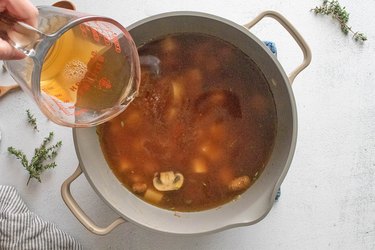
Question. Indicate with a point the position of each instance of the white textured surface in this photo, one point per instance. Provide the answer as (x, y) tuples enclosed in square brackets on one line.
[(328, 197)]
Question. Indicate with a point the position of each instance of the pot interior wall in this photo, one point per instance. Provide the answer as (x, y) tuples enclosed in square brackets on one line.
[(255, 203)]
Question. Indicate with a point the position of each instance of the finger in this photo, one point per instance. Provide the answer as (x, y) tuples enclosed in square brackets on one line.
[(23, 10), (7, 52)]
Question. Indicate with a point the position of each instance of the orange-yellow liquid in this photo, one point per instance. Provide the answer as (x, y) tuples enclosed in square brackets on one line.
[(85, 69), (208, 115)]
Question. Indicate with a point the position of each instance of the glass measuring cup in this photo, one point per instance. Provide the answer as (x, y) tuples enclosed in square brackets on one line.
[(81, 69)]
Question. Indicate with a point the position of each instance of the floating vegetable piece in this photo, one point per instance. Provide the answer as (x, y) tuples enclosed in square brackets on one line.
[(219, 100), (139, 187), (169, 44), (153, 196), (199, 166), (240, 183), (168, 181), (178, 92)]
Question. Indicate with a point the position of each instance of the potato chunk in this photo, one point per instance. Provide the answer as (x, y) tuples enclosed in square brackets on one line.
[(124, 165), (199, 166), (178, 92), (169, 44), (153, 196), (132, 120)]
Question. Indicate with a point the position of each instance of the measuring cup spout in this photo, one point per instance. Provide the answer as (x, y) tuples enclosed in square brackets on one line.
[(20, 35)]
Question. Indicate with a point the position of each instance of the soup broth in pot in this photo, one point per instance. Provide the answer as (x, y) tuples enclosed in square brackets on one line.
[(201, 130)]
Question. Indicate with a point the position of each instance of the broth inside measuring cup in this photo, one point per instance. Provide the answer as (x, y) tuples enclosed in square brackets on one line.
[(203, 125), (86, 72)]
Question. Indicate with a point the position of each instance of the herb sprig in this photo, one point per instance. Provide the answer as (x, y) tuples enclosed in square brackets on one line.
[(334, 9), (41, 160), (31, 120)]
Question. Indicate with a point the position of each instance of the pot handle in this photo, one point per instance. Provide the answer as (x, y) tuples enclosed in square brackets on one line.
[(79, 213), (293, 32)]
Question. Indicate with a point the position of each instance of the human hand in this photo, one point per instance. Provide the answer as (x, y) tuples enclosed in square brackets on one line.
[(22, 10)]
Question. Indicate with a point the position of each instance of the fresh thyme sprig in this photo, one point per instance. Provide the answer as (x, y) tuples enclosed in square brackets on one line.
[(31, 120), (41, 160), (334, 9)]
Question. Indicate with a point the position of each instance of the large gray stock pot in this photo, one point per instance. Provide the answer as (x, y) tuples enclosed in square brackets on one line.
[(257, 201)]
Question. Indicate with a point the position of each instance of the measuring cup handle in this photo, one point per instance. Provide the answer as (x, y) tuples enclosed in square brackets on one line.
[(18, 34), (294, 33), (79, 213)]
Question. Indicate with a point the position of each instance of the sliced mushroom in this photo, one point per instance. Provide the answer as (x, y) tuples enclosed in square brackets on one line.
[(168, 181), (217, 100), (152, 62), (240, 183)]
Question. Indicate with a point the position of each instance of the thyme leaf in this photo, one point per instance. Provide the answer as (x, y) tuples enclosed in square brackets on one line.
[(334, 9), (42, 159)]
